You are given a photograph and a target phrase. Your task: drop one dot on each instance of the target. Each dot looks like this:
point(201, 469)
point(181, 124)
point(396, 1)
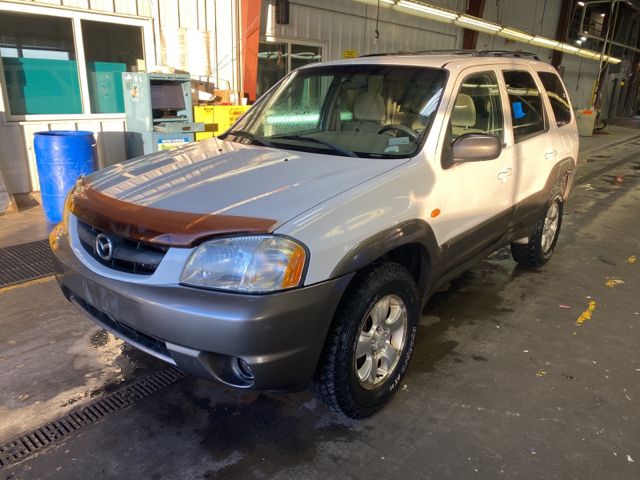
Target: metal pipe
point(596, 89)
point(617, 44)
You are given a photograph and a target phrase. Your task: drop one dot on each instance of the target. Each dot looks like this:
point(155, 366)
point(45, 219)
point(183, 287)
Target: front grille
point(128, 255)
point(126, 332)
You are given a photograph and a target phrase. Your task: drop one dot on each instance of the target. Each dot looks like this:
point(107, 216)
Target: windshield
point(373, 111)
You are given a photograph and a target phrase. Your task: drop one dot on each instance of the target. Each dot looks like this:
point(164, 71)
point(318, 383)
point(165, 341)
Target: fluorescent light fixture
point(544, 42)
point(614, 60)
point(581, 4)
point(603, 14)
point(588, 54)
point(518, 35)
point(565, 47)
point(471, 22)
point(432, 12)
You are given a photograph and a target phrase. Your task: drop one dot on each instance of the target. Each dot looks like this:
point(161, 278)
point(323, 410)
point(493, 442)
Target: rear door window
point(557, 96)
point(527, 110)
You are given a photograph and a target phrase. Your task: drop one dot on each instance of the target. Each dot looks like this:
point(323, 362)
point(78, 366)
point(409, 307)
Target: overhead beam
point(470, 37)
point(562, 29)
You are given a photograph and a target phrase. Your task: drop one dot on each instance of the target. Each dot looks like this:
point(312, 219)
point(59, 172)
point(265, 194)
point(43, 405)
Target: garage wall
point(349, 25)
point(540, 17)
point(17, 160)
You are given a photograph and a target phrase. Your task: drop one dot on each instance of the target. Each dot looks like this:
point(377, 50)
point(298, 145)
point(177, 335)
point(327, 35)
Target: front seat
point(368, 113)
point(463, 118)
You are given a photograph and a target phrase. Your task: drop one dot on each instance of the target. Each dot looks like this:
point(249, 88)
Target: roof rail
point(471, 53)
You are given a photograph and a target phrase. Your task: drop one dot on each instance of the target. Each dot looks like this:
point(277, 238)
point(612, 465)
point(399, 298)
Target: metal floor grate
point(39, 438)
point(24, 262)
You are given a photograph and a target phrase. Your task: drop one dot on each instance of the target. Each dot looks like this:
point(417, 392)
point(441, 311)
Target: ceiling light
point(581, 4)
point(479, 24)
point(510, 33)
point(436, 13)
point(565, 47)
point(583, 39)
point(579, 42)
point(614, 60)
point(603, 14)
point(545, 42)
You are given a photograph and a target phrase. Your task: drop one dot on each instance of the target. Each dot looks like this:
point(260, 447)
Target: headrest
point(369, 107)
point(464, 111)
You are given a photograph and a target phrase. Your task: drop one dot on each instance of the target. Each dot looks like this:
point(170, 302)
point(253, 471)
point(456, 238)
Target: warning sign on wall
point(349, 53)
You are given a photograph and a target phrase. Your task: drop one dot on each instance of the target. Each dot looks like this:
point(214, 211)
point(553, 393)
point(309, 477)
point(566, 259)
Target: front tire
point(370, 342)
point(543, 240)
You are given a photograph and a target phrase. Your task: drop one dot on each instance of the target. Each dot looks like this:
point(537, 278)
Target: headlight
point(251, 264)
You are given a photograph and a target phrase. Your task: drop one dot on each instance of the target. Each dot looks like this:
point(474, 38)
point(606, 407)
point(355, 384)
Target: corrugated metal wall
point(540, 17)
point(348, 25)
point(17, 159)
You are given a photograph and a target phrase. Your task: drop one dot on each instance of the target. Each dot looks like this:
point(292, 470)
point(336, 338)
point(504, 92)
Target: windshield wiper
point(251, 136)
point(303, 138)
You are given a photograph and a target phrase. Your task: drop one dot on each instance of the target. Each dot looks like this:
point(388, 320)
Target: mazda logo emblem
point(104, 247)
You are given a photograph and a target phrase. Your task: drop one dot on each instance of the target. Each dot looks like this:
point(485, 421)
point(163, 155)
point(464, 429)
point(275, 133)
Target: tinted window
point(527, 112)
point(557, 96)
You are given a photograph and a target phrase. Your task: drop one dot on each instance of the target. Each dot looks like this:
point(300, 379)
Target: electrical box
point(158, 110)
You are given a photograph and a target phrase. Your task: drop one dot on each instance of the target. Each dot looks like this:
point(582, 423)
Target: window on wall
point(527, 112)
point(110, 50)
point(41, 71)
point(277, 59)
point(39, 64)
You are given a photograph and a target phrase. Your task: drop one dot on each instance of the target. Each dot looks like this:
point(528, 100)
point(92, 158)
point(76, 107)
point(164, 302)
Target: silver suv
point(301, 246)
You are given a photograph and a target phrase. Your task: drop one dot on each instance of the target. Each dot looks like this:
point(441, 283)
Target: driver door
point(476, 197)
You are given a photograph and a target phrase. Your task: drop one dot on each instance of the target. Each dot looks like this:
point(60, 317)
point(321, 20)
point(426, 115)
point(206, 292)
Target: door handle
point(504, 174)
point(550, 155)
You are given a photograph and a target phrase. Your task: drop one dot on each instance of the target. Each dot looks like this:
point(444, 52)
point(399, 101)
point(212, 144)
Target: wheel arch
point(411, 243)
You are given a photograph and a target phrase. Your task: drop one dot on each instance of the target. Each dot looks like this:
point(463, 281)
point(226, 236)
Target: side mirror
point(474, 147)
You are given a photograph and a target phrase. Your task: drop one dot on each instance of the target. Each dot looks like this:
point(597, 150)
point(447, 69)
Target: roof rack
point(471, 53)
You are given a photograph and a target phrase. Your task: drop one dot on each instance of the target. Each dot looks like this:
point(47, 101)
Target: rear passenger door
point(534, 147)
point(562, 112)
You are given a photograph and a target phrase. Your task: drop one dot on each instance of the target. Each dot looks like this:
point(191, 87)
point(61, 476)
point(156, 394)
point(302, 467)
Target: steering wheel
point(400, 128)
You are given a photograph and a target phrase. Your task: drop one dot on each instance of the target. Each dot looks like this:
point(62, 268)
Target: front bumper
point(280, 336)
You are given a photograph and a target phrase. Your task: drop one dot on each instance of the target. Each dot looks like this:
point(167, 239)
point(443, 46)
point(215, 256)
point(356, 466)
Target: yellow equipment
point(217, 118)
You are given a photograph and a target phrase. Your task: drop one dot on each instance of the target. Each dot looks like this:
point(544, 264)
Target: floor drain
point(39, 438)
point(28, 261)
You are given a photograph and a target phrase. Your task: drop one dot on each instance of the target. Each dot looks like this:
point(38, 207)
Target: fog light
point(244, 370)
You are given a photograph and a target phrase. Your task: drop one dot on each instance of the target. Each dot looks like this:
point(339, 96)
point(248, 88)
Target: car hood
point(216, 177)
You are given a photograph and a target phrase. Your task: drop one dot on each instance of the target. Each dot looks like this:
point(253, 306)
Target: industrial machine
point(158, 112)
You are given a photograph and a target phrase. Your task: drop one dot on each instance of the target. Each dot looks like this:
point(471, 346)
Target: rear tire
point(543, 239)
point(370, 342)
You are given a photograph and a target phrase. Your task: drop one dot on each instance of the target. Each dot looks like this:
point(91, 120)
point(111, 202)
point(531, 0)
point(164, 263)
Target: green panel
point(42, 86)
point(105, 86)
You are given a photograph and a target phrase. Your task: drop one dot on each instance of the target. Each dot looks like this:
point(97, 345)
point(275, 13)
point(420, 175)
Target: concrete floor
point(503, 382)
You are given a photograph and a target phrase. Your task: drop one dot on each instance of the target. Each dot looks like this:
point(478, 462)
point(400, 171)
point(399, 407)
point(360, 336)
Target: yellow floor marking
point(632, 259)
point(586, 315)
point(26, 284)
point(612, 282)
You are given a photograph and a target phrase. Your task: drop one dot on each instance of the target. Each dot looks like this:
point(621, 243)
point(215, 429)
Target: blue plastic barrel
point(61, 157)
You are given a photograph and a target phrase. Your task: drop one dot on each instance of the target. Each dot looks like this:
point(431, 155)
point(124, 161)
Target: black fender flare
point(415, 231)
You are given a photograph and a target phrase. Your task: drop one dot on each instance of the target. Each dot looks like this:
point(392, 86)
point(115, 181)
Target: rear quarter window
point(527, 110)
point(557, 96)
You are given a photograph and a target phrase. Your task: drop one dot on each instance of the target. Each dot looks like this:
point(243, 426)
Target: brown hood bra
point(154, 225)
